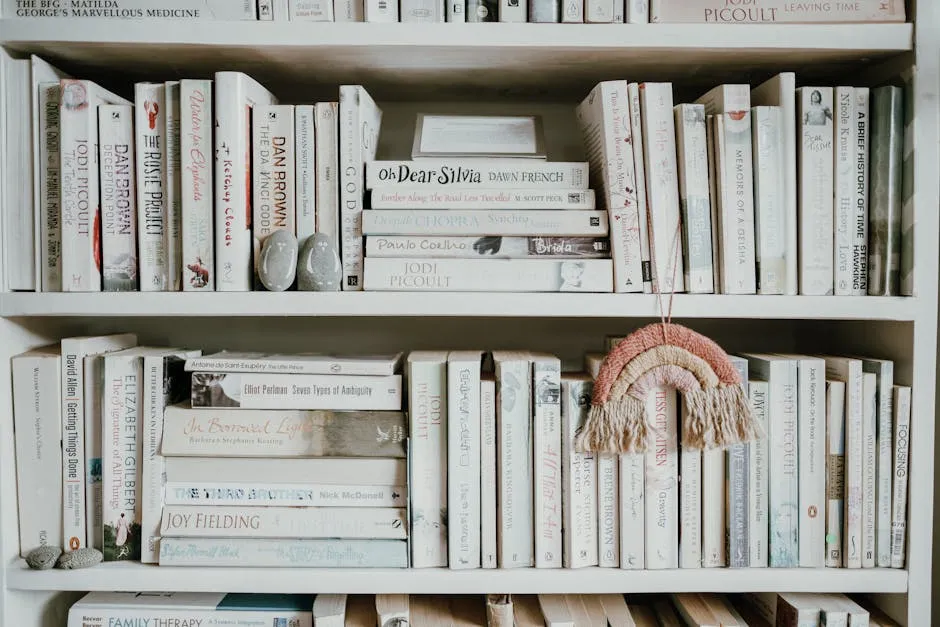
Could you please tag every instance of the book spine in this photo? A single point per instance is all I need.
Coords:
(284, 364)
(261, 552)
(885, 467)
(715, 173)
(812, 462)
(514, 174)
(784, 471)
(266, 10)
(854, 464)
(513, 10)
(638, 11)
(305, 171)
(884, 218)
(738, 253)
(662, 478)
(273, 167)
(690, 503)
(456, 10)
(546, 414)
(120, 455)
(632, 512)
(356, 523)
(423, 11)
(311, 10)
(49, 191)
(608, 511)
(860, 213)
(694, 196)
(659, 147)
(602, 11)
(490, 275)
(515, 538)
(94, 498)
(427, 398)
(37, 429)
(835, 471)
(174, 190)
(549, 11)
(80, 218)
(326, 138)
(217, 433)
(363, 471)
(281, 11)
(283, 495)
(815, 155)
(126, 612)
(845, 179)
(488, 247)
(572, 11)
(463, 460)
(488, 469)
(150, 112)
(349, 10)
(758, 483)
(738, 469)
(869, 468)
(359, 129)
(902, 429)
(198, 254)
(715, 11)
(118, 198)
(579, 474)
(491, 223)
(385, 11)
(714, 510)
(769, 200)
(72, 378)
(280, 391)
(418, 198)
(908, 219)
(636, 126)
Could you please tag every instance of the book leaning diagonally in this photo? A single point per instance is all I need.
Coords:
(359, 122)
(463, 458)
(198, 244)
(235, 95)
(604, 119)
(150, 110)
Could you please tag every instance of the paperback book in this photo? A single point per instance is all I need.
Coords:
(295, 391)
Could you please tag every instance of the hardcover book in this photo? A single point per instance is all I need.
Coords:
(721, 12)
(418, 198)
(198, 244)
(485, 222)
(662, 482)
(463, 458)
(488, 247)
(282, 433)
(884, 219)
(579, 476)
(300, 363)
(118, 198)
(815, 154)
(137, 9)
(694, 195)
(283, 553)
(296, 391)
(505, 174)
(150, 109)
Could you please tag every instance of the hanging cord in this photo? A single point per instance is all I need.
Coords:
(665, 313)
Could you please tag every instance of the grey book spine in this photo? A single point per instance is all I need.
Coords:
(884, 245)
(483, 11)
(737, 492)
(545, 11)
(907, 190)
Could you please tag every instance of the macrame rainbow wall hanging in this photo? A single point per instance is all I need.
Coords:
(717, 410)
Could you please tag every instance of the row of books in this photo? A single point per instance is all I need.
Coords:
(604, 11)
(766, 609)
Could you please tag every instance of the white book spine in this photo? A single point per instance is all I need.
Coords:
(74, 531)
(546, 414)
(812, 462)
(311, 10)
(78, 115)
(37, 428)
(327, 161)
(714, 511)
(174, 190)
(737, 492)
(850, 372)
(513, 10)
(417, 198)
(639, 179)
(572, 11)
(283, 522)
(598, 11)
(777, 11)
(884, 444)
(119, 610)
(515, 538)
(738, 272)
(150, 108)
(659, 147)
(282, 495)
(860, 216)
(456, 10)
(265, 10)
(152, 474)
(489, 275)
(769, 199)
(662, 482)
(305, 171)
(506, 174)
(835, 471)
(690, 503)
(619, 10)
(427, 398)
(488, 473)
(226, 361)
(359, 121)
(495, 222)
(758, 480)
(869, 467)
(381, 11)
(638, 11)
(273, 171)
(94, 498)
(463, 459)
(349, 10)
(694, 195)
(198, 248)
(816, 190)
(605, 127)
(50, 207)
(579, 475)
(281, 11)
(608, 510)
(362, 471)
(118, 198)
(632, 512)
(422, 11)
(845, 176)
(283, 553)
(902, 429)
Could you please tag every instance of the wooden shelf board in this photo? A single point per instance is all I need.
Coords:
(443, 304)
(136, 577)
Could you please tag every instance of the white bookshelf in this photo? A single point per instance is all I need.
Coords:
(548, 68)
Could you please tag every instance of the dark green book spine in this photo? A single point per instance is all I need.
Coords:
(884, 221)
